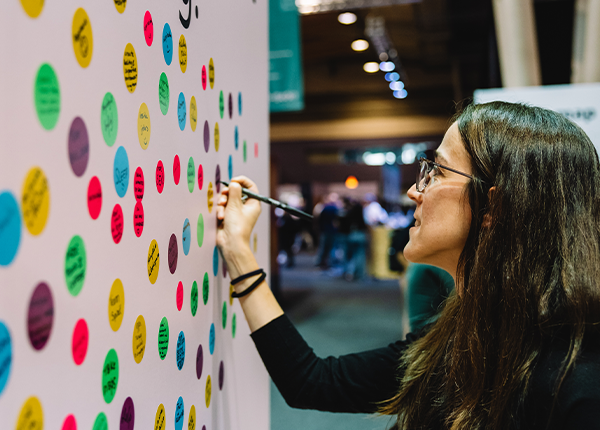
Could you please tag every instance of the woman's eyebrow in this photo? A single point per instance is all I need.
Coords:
(439, 158)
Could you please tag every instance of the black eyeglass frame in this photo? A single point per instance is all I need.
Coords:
(430, 162)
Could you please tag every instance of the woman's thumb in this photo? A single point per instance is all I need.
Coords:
(235, 194)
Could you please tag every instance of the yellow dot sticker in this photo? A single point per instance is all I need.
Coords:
(83, 40)
(116, 305)
(182, 54)
(153, 261)
(231, 290)
(31, 416)
(255, 243)
(138, 342)
(35, 201)
(130, 71)
(33, 8)
(159, 421)
(120, 5)
(217, 138)
(143, 126)
(208, 391)
(209, 197)
(211, 73)
(193, 113)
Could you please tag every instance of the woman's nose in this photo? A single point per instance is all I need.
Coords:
(414, 195)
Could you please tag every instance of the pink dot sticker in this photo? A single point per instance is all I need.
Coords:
(79, 345)
(179, 297)
(116, 223)
(138, 219)
(200, 176)
(94, 197)
(176, 169)
(204, 77)
(160, 176)
(148, 28)
(138, 184)
(255, 150)
(69, 423)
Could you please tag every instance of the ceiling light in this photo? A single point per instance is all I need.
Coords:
(390, 157)
(400, 94)
(374, 159)
(347, 18)
(383, 56)
(408, 156)
(396, 85)
(390, 77)
(360, 45)
(387, 66)
(351, 182)
(371, 67)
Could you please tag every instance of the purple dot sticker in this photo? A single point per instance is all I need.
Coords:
(40, 316)
(10, 229)
(206, 136)
(218, 179)
(148, 28)
(176, 169)
(204, 77)
(79, 147)
(80, 341)
(199, 361)
(94, 197)
(200, 176)
(160, 176)
(138, 184)
(116, 223)
(5, 355)
(127, 420)
(138, 218)
(179, 296)
(230, 106)
(173, 253)
(180, 350)
(221, 375)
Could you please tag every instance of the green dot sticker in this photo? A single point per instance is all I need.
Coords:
(194, 298)
(245, 151)
(200, 230)
(163, 338)
(47, 96)
(221, 104)
(224, 315)
(191, 174)
(110, 376)
(205, 288)
(75, 265)
(101, 423)
(109, 119)
(163, 93)
(233, 325)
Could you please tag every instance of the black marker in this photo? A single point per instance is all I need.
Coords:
(273, 202)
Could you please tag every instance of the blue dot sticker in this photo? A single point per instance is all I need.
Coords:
(10, 229)
(179, 414)
(5, 356)
(240, 103)
(236, 138)
(230, 167)
(215, 261)
(211, 339)
(121, 171)
(181, 111)
(186, 236)
(167, 44)
(180, 350)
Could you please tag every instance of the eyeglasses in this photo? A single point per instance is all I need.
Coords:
(426, 167)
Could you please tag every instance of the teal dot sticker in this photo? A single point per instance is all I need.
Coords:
(47, 96)
(167, 44)
(191, 174)
(186, 236)
(230, 167)
(205, 288)
(194, 298)
(163, 338)
(110, 376)
(233, 325)
(179, 414)
(121, 171)
(240, 103)
(180, 350)
(211, 339)
(101, 423)
(109, 119)
(215, 261)
(75, 265)
(221, 104)
(163, 93)
(224, 315)
(10, 228)
(236, 138)
(5, 355)
(245, 151)
(181, 111)
(200, 230)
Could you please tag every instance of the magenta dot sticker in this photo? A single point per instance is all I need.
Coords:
(40, 316)
(94, 197)
(148, 28)
(173, 253)
(138, 184)
(79, 147)
(206, 136)
(221, 375)
(127, 415)
(138, 219)
(179, 297)
(199, 361)
(116, 223)
(176, 169)
(160, 176)
(255, 150)
(218, 179)
(200, 176)
(204, 77)
(69, 423)
(80, 341)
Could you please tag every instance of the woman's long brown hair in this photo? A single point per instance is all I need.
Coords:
(530, 266)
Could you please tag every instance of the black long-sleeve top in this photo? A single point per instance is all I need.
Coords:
(358, 382)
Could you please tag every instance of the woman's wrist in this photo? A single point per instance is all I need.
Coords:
(240, 261)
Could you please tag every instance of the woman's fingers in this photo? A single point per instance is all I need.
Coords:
(245, 182)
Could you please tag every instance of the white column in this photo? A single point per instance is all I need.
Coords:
(586, 42)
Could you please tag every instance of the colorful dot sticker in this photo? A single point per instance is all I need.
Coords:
(192, 418)
(240, 103)
(179, 296)
(109, 119)
(69, 423)
(218, 179)
(83, 40)
(116, 305)
(255, 242)
(10, 228)
(116, 224)
(138, 184)
(224, 315)
(94, 198)
(209, 197)
(120, 5)
(200, 230)
(47, 96)
(180, 350)
(215, 261)
(200, 176)
(181, 111)
(230, 167)
(79, 146)
(205, 288)
(163, 93)
(193, 113)
(199, 361)
(130, 68)
(211, 339)
(203, 77)
(31, 416)
(5, 355)
(160, 176)
(221, 375)
(211, 73)
(231, 291)
(230, 105)
(127, 420)
(191, 174)
(163, 338)
(236, 138)
(159, 420)
(221, 104)
(40, 316)
(176, 169)
(101, 423)
(153, 261)
(143, 126)
(80, 341)
(194, 299)
(179, 414)
(75, 265)
(245, 151)
(138, 218)
(182, 54)
(208, 391)
(233, 325)
(148, 28)
(138, 341)
(173, 254)
(217, 137)
(167, 44)
(186, 236)
(35, 202)
(256, 150)
(33, 8)
(206, 136)
(110, 376)
(121, 171)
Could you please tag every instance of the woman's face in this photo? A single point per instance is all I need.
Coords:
(442, 216)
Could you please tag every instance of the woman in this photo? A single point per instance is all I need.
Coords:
(510, 207)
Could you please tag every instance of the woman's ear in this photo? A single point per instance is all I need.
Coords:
(487, 219)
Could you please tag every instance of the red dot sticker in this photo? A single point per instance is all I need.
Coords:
(176, 169)
(204, 77)
(138, 219)
(200, 176)
(148, 28)
(116, 223)
(160, 176)
(138, 184)
(69, 423)
(256, 150)
(79, 344)
(179, 297)
(94, 197)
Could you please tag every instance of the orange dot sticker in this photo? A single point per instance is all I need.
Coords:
(120, 5)
(209, 197)
(33, 8)
(35, 201)
(83, 40)
(211, 73)
(143, 126)
(116, 305)
(130, 71)
(138, 341)
(193, 113)
(217, 138)
(182, 54)
(153, 261)
(208, 391)
(32, 415)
